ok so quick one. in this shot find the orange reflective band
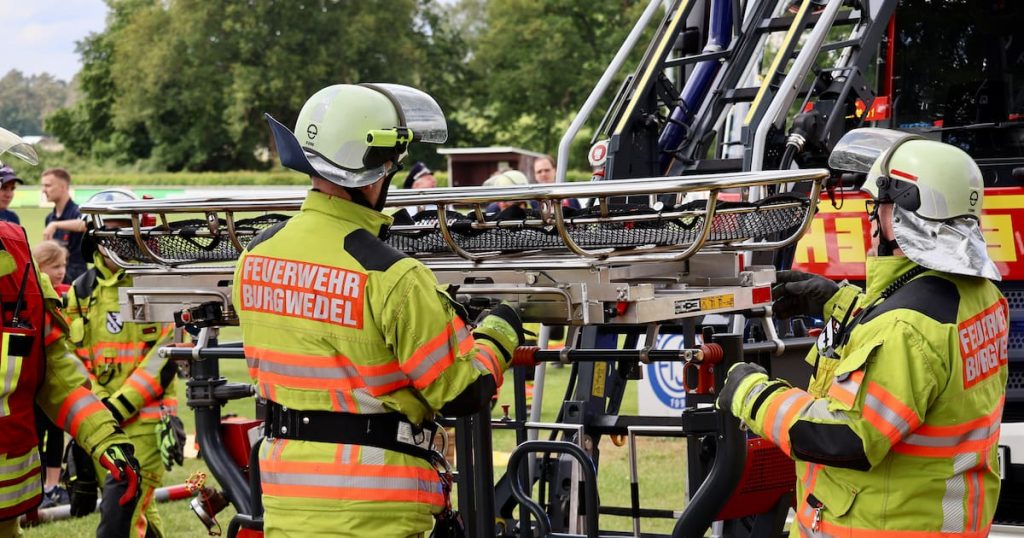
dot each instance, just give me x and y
(782, 406)
(891, 417)
(146, 385)
(827, 529)
(845, 391)
(350, 481)
(80, 404)
(976, 435)
(491, 363)
(427, 362)
(319, 372)
(142, 523)
(797, 406)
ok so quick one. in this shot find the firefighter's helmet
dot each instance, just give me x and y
(937, 191)
(15, 145)
(108, 196)
(91, 245)
(354, 135)
(507, 178)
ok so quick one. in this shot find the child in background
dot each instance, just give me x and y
(52, 259)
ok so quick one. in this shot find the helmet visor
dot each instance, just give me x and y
(12, 143)
(858, 149)
(418, 111)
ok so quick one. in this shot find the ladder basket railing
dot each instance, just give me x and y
(681, 216)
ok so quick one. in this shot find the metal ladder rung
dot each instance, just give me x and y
(685, 60)
(779, 24)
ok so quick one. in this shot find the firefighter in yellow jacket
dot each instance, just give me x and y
(126, 371)
(897, 434)
(351, 342)
(37, 368)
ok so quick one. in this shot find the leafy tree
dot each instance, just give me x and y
(537, 61)
(86, 128)
(25, 101)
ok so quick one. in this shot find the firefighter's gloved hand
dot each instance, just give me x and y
(740, 372)
(504, 328)
(797, 293)
(120, 461)
(511, 316)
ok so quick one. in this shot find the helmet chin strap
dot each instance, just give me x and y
(886, 246)
(359, 198)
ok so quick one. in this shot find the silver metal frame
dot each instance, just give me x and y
(446, 200)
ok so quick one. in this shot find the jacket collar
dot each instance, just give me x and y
(105, 276)
(880, 271)
(347, 210)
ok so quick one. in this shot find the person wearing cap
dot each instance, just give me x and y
(8, 182)
(353, 381)
(897, 432)
(64, 224)
(420, 177)
(128, 374)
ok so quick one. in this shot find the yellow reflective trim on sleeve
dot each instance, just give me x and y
(10, 371)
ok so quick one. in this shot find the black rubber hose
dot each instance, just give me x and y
(714, 492)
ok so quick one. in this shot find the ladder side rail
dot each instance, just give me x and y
(601, 87)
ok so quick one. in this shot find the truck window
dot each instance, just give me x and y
(959, 76)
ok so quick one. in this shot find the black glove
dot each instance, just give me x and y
(79, 476)
(506, 312)
(736, 374)
(797, 293)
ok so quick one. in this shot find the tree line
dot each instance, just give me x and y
(184, 84)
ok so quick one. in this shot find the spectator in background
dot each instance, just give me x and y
(544, 172)
(8, 182)
(52, 260)
(505, 178)
(420, 177)
(64, 224)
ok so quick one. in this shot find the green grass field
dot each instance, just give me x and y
(661, 465)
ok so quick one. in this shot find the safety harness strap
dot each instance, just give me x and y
(390, 431)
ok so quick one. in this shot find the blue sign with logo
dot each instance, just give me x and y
(666, 378)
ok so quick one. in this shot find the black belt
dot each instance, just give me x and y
(390, 431)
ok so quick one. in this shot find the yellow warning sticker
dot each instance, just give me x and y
(716, 302)
(600, 373)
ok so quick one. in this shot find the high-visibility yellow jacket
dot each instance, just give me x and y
(334, 319)
(121, 357)
(897, 435)
(47, 375)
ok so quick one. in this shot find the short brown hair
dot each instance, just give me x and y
(47, 253)
(57, 172)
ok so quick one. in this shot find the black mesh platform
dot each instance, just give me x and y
(516, 229)
(188, 241)
(637, 226)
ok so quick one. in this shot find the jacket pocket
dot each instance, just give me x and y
(847, 376)
(824, 508)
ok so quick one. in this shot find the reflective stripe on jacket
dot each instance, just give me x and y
(44, 374)
(121, 357)
(334, 319)
(897, 435)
